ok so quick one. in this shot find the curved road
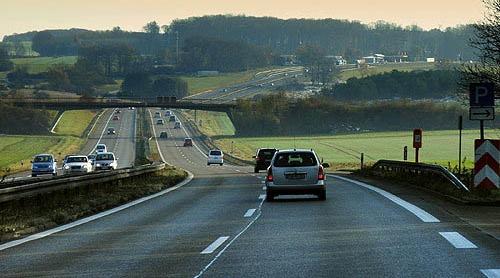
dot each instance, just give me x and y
(217, 225)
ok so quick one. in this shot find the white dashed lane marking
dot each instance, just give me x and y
(249, 213)
(491, 273)
(262, 196)
(212, 247)
(457, 240)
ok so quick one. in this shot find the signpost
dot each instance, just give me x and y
(482, 103)
(417, 141)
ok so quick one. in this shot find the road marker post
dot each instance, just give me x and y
(417, 142)
(460, 128)
(487, 164)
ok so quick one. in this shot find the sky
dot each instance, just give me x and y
(19, 16)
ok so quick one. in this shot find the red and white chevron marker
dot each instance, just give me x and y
(487, 164)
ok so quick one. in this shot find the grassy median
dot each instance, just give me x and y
(74, 122)
(31, 215)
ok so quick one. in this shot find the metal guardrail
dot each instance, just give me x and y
(22, 189)
(418, 168)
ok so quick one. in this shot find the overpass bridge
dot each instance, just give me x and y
(100, 103)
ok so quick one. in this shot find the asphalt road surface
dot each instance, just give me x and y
(262, 81)
(217, 225)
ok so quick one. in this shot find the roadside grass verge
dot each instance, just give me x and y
(42, 64)
(74, 122)
(15, 149)
(378, 69)
(31, 215)
(211, 123)
(207, 83)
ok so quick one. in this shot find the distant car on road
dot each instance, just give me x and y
(111, 131)
(295, 172)
(160, 122)
(168, 113)
(131, 108)
(116, 118)
(44, 164)
(163, 135)
(77, 164)
(263, 159)
(172, 118)
(118, 111)
(215, 157)
(224, 90)
(66, 158)
(101, 148)
(177, 125)
(188, 142)
(272, 84)
(105, 161)
(157, 114)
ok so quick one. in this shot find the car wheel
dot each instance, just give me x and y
(269, 196)
(221, 164)
(208, 164)
(33, 175)
(322, 195)
(255, 170)
(54, 174)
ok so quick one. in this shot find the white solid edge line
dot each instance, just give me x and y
(216, 244)
(57, 122)
(262, 196)
(249, 213)
(418, 212)
(491, 273)
(93, 217)
(457, 240)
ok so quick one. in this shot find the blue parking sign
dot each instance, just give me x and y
(482, 95)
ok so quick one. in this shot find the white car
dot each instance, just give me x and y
(157, 114)
(77, 164)
(215, 157)
(105, 161)
(101, 148)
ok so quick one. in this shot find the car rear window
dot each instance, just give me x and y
(77, 159)
(187, 140)
(105, 157)
(267, 154)
(295, 159)
(43, 158)
(100, 147)
(215, 153)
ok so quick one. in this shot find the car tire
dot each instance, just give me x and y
(208, 164)
(322, 195)
(221, 164)
(255, 170)
(33, 175)
(269, 196)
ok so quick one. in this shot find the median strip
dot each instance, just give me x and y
(457, 240)
(216, 244)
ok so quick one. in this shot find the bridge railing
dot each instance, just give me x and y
(403, 167)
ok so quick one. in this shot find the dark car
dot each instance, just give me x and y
(163, 135)
(263, 159)
(188, 142)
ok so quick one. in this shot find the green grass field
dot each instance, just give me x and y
(378, 69)
(42, 64)
(201, 84)
(15, 149)
(212, 123)
(74, 122)
(439, 146)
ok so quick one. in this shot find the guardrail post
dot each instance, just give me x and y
(362, 160)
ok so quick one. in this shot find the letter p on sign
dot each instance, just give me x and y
(482, 95)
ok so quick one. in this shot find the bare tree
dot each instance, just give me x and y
(487, 43)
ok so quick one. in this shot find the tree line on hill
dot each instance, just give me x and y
(351, 39)
(17, 120)
(434, 84)
(277, 115)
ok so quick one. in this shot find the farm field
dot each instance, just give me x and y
(74, 122)
(439, 147)
(42, 64)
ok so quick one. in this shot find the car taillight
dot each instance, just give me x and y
(269, 177)
(321, 173)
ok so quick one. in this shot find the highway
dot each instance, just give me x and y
(122, 143)
(260, 82)
(217, 225)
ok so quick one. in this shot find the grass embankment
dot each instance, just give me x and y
(20, 218)
(439, 146)
(378, 69)
(17, 148)
(212, 123)
(206, 83)
(74, 122)
(42, 64)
